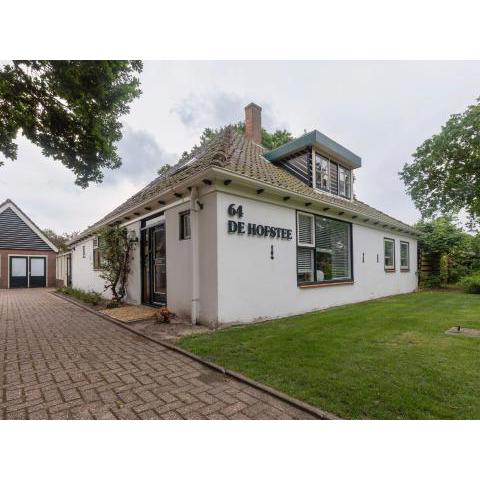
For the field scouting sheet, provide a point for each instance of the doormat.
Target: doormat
(130, 313)
(464, 332)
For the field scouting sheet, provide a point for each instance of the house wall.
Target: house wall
(179, 262)
(4, 272)
(86, 278)
(252, 286)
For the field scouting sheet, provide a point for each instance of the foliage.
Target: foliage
(70, 109)
(457, 250)
(115, 247)
(383, 359)
(59, 240)
(163, 169)
(88, 297)
(443, 276)
(430, 281)
(445, 174)
(471, 283)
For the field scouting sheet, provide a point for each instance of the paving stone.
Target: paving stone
(59, 361)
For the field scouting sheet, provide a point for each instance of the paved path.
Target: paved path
(59, 361)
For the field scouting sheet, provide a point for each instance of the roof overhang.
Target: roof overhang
(319, 141)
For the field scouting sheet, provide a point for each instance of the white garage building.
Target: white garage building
(236, 233)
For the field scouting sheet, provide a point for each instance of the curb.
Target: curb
(315, 412)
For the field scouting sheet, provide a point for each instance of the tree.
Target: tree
(70, 109)
(445, 174)
(115, 247)
(59, 240)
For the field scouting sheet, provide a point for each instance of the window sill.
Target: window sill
(325, 284)
(390, 270)
(404, 269)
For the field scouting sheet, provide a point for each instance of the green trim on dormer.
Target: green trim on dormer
(318, 140)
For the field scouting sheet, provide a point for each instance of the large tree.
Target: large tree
(70, 109)
(444, 176)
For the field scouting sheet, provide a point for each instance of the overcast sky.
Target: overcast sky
(380, 110)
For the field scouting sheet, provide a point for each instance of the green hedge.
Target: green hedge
(88, 297)
(471, 283)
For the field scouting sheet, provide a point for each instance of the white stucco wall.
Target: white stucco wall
(86, 278)
(179, 264)
(252, 286)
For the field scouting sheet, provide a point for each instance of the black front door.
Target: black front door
(154, 265)
(159, 264)
(18, 272)
(37, 270)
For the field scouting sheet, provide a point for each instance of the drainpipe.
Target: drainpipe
(195, 255)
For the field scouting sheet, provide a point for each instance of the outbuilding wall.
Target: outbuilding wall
(252, 286)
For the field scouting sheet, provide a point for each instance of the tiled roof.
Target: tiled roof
(231, 150)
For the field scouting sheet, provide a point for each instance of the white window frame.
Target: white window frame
(393, 267)
(312, 222)
(407, 267)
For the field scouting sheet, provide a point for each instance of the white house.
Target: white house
(236, 233)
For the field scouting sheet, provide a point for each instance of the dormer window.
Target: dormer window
(331, 177)
(322, 172)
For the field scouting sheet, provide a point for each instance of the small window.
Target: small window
(322, 172)
(97, 254)
(305, 230)
(344, 182)
(404, 256)
(184, 225)
(389, 254)
(83, 251)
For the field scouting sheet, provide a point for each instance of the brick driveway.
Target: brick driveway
(58, 361)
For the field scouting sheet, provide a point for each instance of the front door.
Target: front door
(159, 264)
(38, 276)
(18, 272)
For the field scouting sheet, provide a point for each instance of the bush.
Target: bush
(430, 281)
(88, 297)
(471, 283)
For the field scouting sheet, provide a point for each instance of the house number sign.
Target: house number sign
(240, 227)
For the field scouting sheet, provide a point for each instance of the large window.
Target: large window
(404, 256)
(332, 177)
(323, 249)
(389, 254)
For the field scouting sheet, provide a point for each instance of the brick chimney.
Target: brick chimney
(253, 123)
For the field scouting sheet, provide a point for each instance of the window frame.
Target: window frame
(96, 254)
(393, 267)
(181, 226)
(315, 282)
(318, 172)
(348, 184)
(312, 221)
(316, 175)
(407, 268)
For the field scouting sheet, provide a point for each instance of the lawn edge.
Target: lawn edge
(314, 411)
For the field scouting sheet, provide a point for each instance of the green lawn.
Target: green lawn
(387, 358)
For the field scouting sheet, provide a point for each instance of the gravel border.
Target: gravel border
(315, 412)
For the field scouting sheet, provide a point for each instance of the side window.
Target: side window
(184, 225)
(322, 173)
(404, 256)
(97, 256)
(389, 254)
(344, 182)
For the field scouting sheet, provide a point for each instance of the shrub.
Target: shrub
(429, 280)
(471, 283)
(88, 297)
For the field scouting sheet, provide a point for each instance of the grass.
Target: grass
(93, 298)
(382, 359)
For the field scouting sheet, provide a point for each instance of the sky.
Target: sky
(382, 111)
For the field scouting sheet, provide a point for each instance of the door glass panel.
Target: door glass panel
(19, 267)
(37, 267)
(160, 264)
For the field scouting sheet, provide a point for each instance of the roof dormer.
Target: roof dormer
(319, 162)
